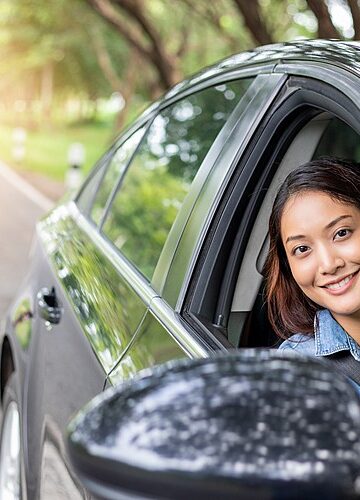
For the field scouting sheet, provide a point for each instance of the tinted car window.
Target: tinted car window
(88, 191)
(162, 170)
(339, 140)
(115, 169)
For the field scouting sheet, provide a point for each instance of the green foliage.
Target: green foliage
(60, 33)
(60, 52)
(23, 323)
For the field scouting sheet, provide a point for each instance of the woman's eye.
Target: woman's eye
(342, 233)
(301, 249)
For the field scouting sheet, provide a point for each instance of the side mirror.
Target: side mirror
(252, 424)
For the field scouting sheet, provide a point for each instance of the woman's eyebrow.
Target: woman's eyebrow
(328, 226)
(296, 237)
(335, 221)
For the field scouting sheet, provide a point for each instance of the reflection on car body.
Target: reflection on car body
(159, 255)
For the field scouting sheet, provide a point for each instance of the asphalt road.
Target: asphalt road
(20, 206)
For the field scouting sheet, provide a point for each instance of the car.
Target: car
(159, 255)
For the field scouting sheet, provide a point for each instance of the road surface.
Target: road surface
(20, 206)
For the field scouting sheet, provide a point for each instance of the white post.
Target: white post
(18, 147)
(76, 159)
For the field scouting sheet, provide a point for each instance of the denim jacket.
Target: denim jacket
(329, 337)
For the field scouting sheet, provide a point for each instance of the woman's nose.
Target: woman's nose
(329, 261)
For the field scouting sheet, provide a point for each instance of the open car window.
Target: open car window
(325, 135)
(226, 299)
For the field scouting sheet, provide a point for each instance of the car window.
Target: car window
(162, 170)
(115, 169)
(225, 301)
(339, 140)
(89, 188)
(325, 135)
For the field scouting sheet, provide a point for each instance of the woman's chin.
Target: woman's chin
(346, 312)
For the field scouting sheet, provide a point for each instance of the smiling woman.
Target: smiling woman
(313, 285)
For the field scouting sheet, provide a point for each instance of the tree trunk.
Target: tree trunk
(153, 50)
(250, 11)
(127, 90)
(104, 60)
(355, 12)
(165, 63)
(326, 29)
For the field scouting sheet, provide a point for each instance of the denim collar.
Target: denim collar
(330, 337)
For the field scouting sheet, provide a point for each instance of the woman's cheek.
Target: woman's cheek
(303, 272)
(351, 251)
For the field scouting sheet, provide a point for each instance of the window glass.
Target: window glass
(88, 191)
(339, 140)
(162, 170)
(115, 169)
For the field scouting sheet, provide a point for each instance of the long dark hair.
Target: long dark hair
(289, 309)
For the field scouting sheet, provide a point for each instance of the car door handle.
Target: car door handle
(49, 306)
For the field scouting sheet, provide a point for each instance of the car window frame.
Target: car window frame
(102, 163)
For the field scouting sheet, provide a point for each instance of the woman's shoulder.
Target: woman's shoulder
(301, 343)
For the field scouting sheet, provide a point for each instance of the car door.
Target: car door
(70, 355)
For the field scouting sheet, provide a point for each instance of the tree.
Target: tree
(146, 39)
(59, 49)
(46, 53)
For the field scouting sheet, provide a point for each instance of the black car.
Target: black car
(159, 256)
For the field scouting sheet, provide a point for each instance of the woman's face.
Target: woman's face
(321, 237)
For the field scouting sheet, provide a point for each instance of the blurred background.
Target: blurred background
(73, 73)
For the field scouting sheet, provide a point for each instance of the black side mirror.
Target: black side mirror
(252, 424)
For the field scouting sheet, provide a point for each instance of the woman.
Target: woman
(312, 269)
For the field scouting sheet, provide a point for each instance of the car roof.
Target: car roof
(333, 52)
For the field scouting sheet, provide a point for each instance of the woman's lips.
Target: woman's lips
(341, 286)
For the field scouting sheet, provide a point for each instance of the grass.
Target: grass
(47, 147)
(46, 150)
